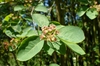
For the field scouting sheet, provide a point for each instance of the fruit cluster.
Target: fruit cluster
(49, 33)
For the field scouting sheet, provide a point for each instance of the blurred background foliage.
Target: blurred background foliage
(15, 17)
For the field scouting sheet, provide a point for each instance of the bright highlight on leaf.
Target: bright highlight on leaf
(7, 18)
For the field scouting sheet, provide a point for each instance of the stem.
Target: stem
(32, 11)
(55, 57)
(60, 13)
(62, 60)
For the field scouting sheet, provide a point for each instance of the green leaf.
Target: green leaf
(7, 18)
(76, 48)
(27, 29)
(41, 20)
(71, 34)
(18, 7)
(17, 28)
(28, 19)
(56, 45)
(55, 23)
(41, 7)
(9, 33)
(29, 48)
(96, 49)
(48, 49)
(23, 35)
(81, 11)
(58, 27)
(52, 47)
(24, 32)
(54, 64)
(28, 32)
(92, 13)
(33, 33)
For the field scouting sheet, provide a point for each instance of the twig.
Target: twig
(32, 11)
(51, 7)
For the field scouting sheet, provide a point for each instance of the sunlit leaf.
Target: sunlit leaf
(55, 23)
(18, 7)
(72, 34)
(29, 48)
(41, 20)
(24, 32)
(76, 48)
(7, 18)
(48, 49)
(2, 1)
(58, 27)
(17, 28)
(28, 32)
(81, 11)
(92, 13)
(33, 33)
(56, 45)
(27, 29)
(9, 33)
(41, 7)
(54, 64)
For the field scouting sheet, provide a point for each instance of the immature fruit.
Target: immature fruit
(49, 33)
